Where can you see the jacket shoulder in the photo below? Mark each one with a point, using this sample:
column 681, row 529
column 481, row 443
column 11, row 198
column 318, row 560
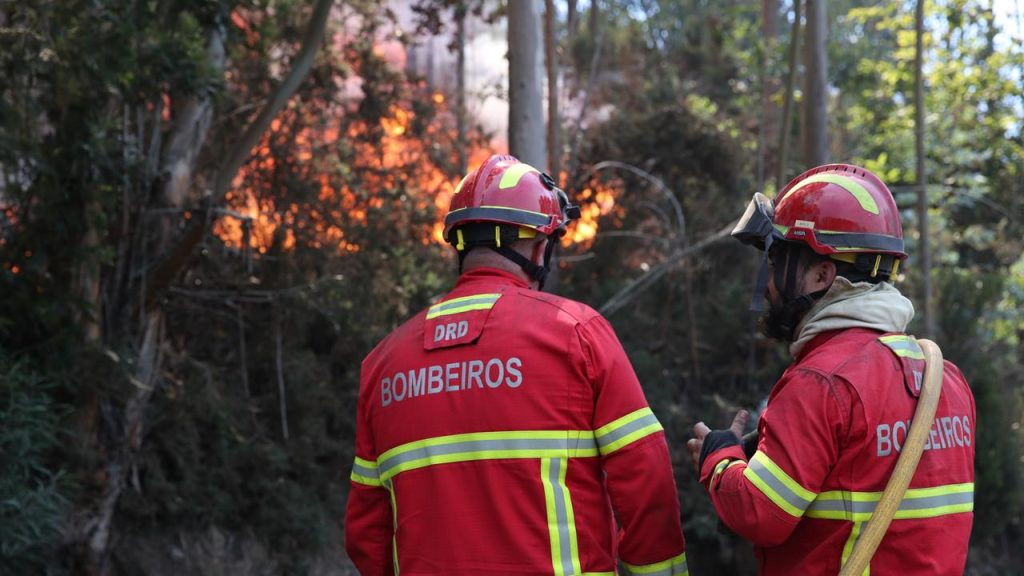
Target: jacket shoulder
column 410, row 329
column 563, row 309
column 845, row 350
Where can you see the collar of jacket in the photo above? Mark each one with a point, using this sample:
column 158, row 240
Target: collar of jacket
column 488, row 274
column 854, row 305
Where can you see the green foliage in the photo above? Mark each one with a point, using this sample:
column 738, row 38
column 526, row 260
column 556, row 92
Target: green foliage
column 991, row 361
column 33, row 494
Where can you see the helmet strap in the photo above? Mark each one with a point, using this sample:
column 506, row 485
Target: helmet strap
column 781, row 323
column 757, row 299
column 500, row 239
column 538, row 273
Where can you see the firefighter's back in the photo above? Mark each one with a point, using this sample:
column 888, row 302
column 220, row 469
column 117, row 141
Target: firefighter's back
column 883, row 375
column 482, row 417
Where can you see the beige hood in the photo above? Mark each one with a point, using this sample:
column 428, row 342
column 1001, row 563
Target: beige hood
column 848, row 305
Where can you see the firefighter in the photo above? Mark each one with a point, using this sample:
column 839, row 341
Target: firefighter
column 502, row 430
column 836, row 421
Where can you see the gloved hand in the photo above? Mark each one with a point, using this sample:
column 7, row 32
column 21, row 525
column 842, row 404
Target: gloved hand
column 706, row 441
column 750, row 444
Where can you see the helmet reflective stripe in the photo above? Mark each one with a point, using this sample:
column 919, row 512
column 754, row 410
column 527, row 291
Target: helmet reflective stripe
column 495, row 213
column 850, row 241
column 461, row 182
column 849, row 184
column 513, row 174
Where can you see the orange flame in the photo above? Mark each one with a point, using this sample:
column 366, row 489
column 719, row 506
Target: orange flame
column 391, row 156
column 596, row 199
column 397, row 165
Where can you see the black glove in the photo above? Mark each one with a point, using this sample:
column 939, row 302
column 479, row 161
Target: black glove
column 716, row 440
column 750, row 444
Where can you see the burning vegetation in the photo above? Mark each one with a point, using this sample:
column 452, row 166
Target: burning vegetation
column 362, row 162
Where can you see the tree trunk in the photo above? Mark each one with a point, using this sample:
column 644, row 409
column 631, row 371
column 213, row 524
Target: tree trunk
column 816, row 144
column 93, row 526
column 922, row 177
column 787, row 109
column 460, row 86
column 525, row 111
column 571, row 19
column 554, row 125
column 767, row 130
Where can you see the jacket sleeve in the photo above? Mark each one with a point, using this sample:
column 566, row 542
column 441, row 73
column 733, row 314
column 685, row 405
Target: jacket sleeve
column 800, row 432
column 368, row 517
column 635, row 458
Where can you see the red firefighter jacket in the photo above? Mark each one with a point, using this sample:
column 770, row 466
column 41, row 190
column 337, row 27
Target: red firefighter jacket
column 830, row 436
column 497, row 432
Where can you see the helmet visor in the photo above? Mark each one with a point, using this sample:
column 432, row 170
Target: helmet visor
column 755, row 226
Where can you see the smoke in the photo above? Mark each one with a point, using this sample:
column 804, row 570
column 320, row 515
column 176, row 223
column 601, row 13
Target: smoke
column 486, row 66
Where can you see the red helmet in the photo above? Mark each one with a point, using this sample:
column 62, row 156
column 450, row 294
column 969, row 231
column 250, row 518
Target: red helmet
column 835, row 209
column 506, row 192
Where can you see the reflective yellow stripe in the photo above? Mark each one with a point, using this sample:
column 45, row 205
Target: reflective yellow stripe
column 461, row 183
column 917, row 503
column 849, row 184
column 774, row 483
column 394, row 525
column 366, row 481
column 463, row 304
column 626, row 430
column 848, row 547
column 565, row 558
column 365, row 472
column 516, row 210
column 725, row 465
column 675, row 566
column 487, row 446
column 513, row 174
column 903, row 346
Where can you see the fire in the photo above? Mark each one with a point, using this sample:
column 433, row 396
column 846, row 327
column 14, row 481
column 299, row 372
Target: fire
column 596, row 199
column 345, row 171
column 389, row 156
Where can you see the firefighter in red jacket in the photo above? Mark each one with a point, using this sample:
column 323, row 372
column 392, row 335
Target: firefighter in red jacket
column 836, row 421
column 503, row 430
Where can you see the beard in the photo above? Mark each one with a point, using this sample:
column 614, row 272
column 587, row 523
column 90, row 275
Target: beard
column 780, row 321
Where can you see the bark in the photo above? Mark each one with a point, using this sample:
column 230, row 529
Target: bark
column 767, row 129
column 922, row 177
column 572, row 17
column 816, row 144
column 238, row 154
column 787, row 109
column 554, row 125
column 460, row 86
column 93, row 527
column 525, row 111
column 282, row 395
column 242, row 149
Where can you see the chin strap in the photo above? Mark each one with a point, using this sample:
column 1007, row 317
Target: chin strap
column 793, row 312
column 538, row 273
column 499, row 239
